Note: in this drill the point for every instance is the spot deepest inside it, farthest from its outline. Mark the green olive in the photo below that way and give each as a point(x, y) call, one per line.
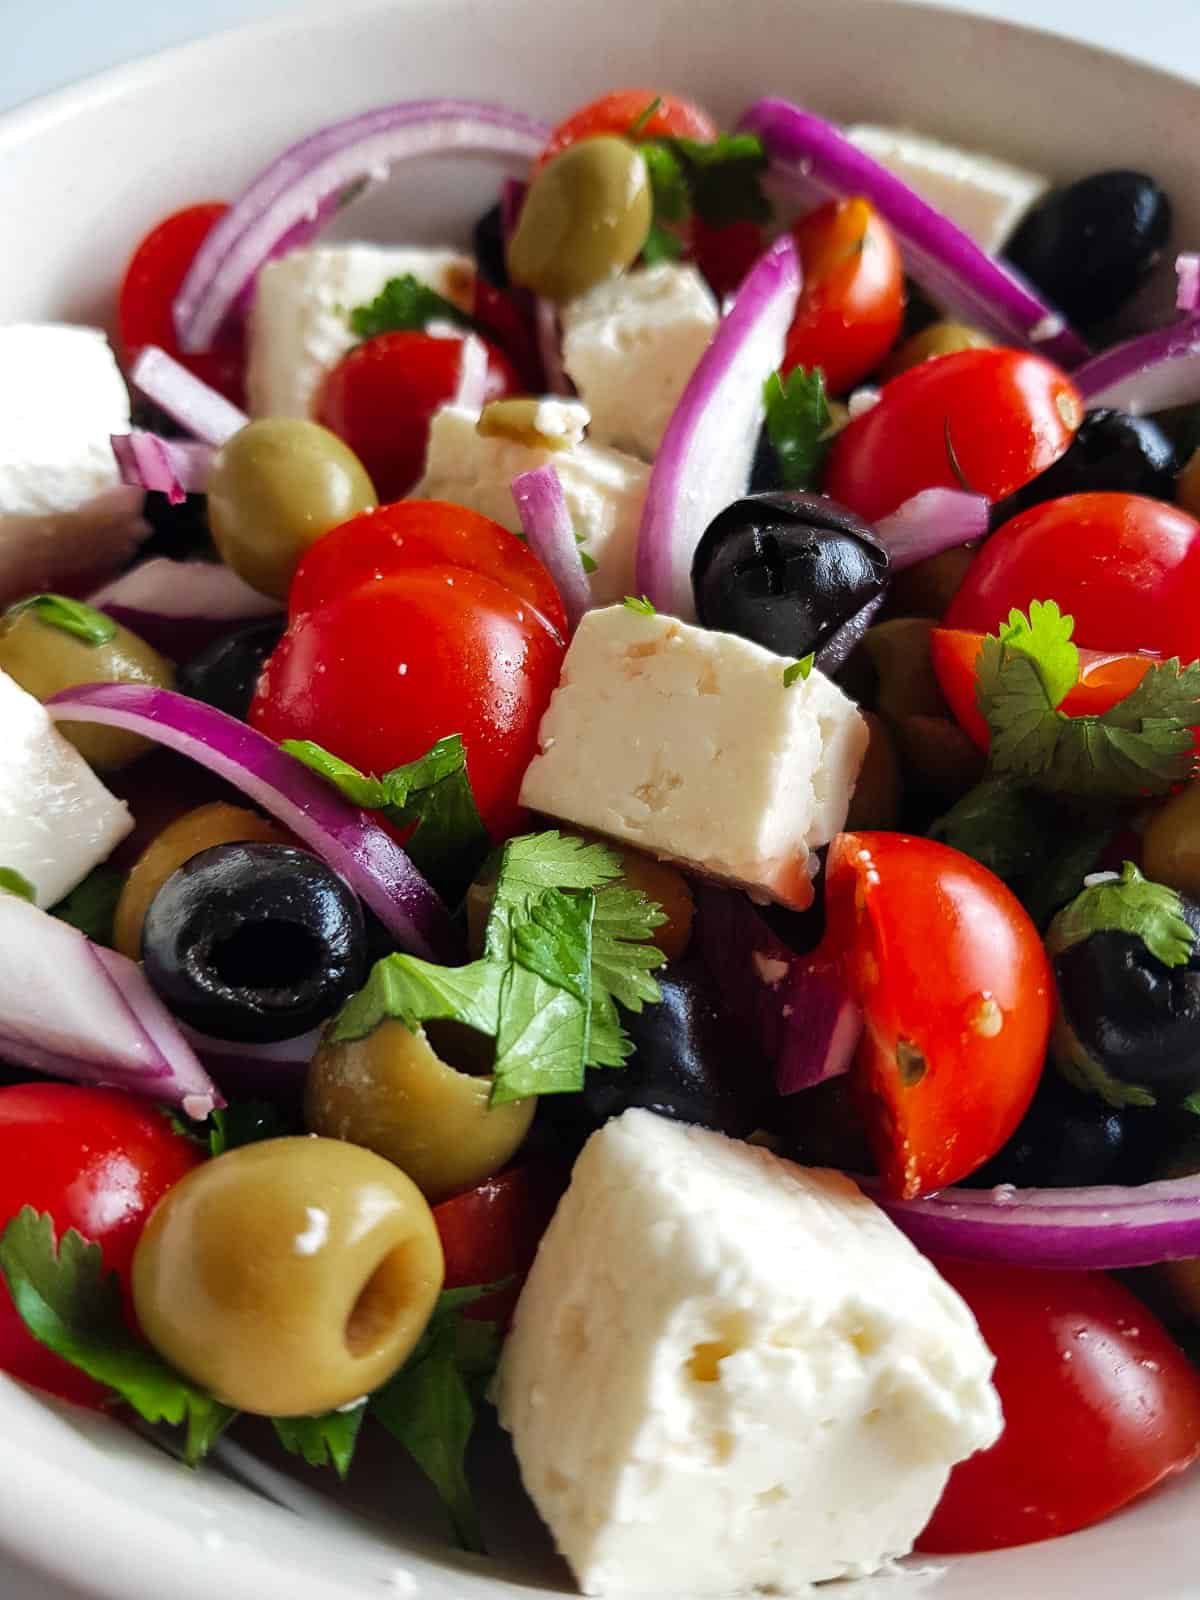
point(517, 420)
point(936, 756)
point(927, 587)
point(274, 489)
point(391, 1093)
point(938, 339)
point(1171, 843)
point(875, 803)
point(1187, 486)
point(899, 652)
point(44, 659)
point(179, 841)
point(586, 218)
point(288, 1277)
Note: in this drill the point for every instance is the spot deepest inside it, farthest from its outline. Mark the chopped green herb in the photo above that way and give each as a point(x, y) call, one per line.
point(638, 126)
point(640, 604)
point(13, 882)
point(70, 616)
point(724, 178)
point(404, 304)
point(1127, 903)
point(91, 905)
point(797, 417)
point(325, 1441)
point(799, 670)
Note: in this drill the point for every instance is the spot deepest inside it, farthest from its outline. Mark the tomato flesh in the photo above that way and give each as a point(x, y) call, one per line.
point(618, 112)
point(491, 1233)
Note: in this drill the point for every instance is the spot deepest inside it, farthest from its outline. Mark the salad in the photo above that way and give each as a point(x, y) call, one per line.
point(606, 826)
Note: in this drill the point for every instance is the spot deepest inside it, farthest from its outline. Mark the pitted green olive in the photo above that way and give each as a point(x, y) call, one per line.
point(586, 218)
point(289, 1277)
point(517, 420)
point(45, 659)
point(275, 488)
point(938, 339)
point(392, 1093)
point(1171, 843)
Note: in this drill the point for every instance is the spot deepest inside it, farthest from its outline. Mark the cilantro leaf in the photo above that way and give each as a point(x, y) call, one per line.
point(1128, 903)
point(623, 957)
point(550, 860)
point(724, 177)
point(245, 1122)
point(73, 1307)
point(325, 1441)
point(69, 616)
point(640, 604)
point(555, 941)
point(797, 417)
point(798, 671)
point(672, 203)
point(1045, 637)
point(413, 991)
point(403, 304)
point(92, 905)
point(14, 882)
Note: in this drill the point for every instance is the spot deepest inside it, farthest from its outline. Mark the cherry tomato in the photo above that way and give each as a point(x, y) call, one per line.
point(1104, 679)
point(725, 255)
point(152, 279)
point(1125, 567)
point(958, 998)
point(420, 533)
point(497, 313)
point(492, 1232)
point(1099, 1406)
point(618, 112)
point(381, 673)
point(1002, 415)
point(852, 303)
point(381, 395)
point(98, 1161)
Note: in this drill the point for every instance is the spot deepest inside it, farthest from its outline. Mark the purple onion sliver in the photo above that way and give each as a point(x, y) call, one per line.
point(207, 415)
point(838, 648)
point(180, 607)
point(198, 1094)
point(175, 467)
point(546, 521)
point(930, 522)
point(1153, 372)
point(826, 1031)
point(1187, 268)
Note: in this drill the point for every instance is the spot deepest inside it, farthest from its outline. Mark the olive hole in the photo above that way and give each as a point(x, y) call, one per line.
point(267, 955)
point(382, 1303)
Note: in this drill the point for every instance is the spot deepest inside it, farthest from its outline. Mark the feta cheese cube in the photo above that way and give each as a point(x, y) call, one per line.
point(57, 820)
point(631, 344)
point(729, 1373)
point(689, 745)
point(300, 324)
point(985, 197)
point(604, 489)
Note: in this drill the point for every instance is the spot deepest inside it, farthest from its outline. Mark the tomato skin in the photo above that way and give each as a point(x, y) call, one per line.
point(1099, 1406)
point(1009, 415)
point(1127, 568)
point(156, 269)
point(725, 255)
point(380, 397)
point(389, 540)
point(381, 673)
point(958, 997)
point(492, 1232)
point(852, 303)
point(97, 1160)
point(674, 118)
point(498, 315)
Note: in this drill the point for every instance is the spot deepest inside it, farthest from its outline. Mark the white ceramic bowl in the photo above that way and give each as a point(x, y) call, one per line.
point(82, 175)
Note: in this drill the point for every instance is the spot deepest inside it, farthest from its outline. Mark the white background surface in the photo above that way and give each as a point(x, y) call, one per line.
point(48, 45)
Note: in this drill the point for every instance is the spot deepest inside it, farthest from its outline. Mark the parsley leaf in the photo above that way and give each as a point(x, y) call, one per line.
point(798, 671)
point(797, 417)
point(70, 616)
point(325, 1441)
point(403, 304)
point(723, 178)
point(246, 1122)
point(14, 882)
point(92, 905)
point(73, 1307)
point(1127, 904)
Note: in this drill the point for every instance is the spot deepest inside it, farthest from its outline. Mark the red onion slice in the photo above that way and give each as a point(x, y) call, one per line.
point(808, 155)
point(298, 186)
point(273, 1071)
point(1187, 268)
point(542, 508)
point(1150, 373)
point(932, 521)
point(179, 607)
point(174, 467)
point(369, 859)
point(185, 398)
point(70, 550)
point(707, 452)
point(838, 648)
point(472, 375)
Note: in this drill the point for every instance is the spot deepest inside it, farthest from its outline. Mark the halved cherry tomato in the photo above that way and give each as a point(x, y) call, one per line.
point(1125, 567)
point(958, 998)
point(1002, 415)
point(381, 396)
point(387, 541)
point(725, 255)
point(1099, 1406)
point(381, 673)
point(852, 303)
point(98, 1161)
point(1104, 678)
point(618, 112)
point(492, 1232)
point(152, 279)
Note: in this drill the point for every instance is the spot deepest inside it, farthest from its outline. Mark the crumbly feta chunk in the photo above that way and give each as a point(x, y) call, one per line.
point(604, 489)
point(300, 324)
point(57, 820)
point(689, 745)
point(987, 198)
point(727, 1372)
point(631, 344)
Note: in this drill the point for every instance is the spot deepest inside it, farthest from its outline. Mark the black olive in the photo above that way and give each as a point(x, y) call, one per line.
point(254, 942)
point(1066, 1140)
point(487, 239)
point(1111, 452)
point(225, 673)
point(786, 569)
point(1089, 247)
point(766, 477)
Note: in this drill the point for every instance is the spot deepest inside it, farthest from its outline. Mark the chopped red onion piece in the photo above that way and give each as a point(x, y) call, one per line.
point(174, 467)
point(473, 375)
point(542, 508)
point(347, 839)
point(1150, 373)
point(72, 550)
point(828, 1026)
point(179, 607)
point(1187, 296)
point(932, 521)
point(207, 415)
point(837, 649)
point(273, 1071)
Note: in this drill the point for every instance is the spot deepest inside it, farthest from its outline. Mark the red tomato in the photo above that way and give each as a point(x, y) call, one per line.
point(725, 255)
point(498, 315)
point(852, 303)
point(381, 395)
point(148, 290)
point(381, 673)
point(492, 1233)
point(1099, 1406)
point(1005, 414)
point(1104, 678)
point(958, 997)
point(98, 1161)
point(617, 112)
point(1125, 567)
point(421, 533)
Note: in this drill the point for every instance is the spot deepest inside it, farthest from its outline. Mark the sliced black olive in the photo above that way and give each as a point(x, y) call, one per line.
point(1089, 247)
point(1111, 452)
point(786, 569)
point(180, 532)
point(487, 240)
point(224, 674)
point(254, 942)
point(1066, 1140)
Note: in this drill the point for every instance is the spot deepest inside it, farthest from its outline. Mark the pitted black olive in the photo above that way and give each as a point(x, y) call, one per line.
point(1111, 452)
point(786, 569)
point(1089, 247)
point(1065, 1140)
point(254, 942)
point(224, 674)
point(487, 240)
point(766, 475)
